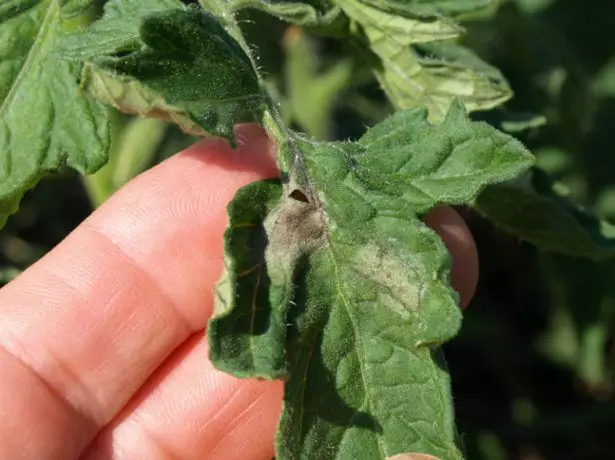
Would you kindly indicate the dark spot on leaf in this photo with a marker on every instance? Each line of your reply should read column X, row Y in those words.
column 299, row 196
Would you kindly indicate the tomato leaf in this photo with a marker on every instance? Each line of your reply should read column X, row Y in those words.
column 46, row 122
column 162, row 59
column 333, row 283
column 118, row 30
column 427, row 8
column 534, row 211
column 434, row 77
column 320, row 14
column 392, row 29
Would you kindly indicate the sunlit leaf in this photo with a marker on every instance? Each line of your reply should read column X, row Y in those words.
column 334, row 284
column 40, row 101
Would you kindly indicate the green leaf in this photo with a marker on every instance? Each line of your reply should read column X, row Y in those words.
column 383, row 25
column 457, row 158
column 321, row 14
column 481, row 86
column 426, row 8
column 417, row 67
column 434, row 78
column 77, row 8
column 517, row 122
column 534, row 211
column 334, row 284
column 117, row 30
column 392, row 28
column 172, row 62
column 46, row 122
column 252, row 336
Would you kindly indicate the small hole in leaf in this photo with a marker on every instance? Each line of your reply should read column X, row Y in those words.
column 299, row 196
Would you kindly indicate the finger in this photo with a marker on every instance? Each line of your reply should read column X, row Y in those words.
column 84, row 328
column 190, row 410
column 458, row 239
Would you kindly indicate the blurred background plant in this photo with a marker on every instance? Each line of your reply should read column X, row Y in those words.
column 534, row 366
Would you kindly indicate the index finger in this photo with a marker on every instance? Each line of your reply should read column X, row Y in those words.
column 82, row 329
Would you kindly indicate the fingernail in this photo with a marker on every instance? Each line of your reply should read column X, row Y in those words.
column 413, row 457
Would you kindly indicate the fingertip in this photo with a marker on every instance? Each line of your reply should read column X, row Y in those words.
column 254, row 152
column 249, row 132
column 459, row 240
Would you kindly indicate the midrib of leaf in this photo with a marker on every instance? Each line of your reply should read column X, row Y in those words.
column 392, row 51
column 225, row 14
column 52, row 10
column 358, row 340
column 298, row 159
column 369, row 397
column 391, row 57
column 304, row 382
column 277, row 129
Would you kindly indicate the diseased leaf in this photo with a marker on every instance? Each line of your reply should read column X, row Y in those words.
column 172, row 62
column 337, row 286
column 46, row 121
column 534, row 211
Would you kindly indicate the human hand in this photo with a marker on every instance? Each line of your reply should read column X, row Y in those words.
column 102, row 350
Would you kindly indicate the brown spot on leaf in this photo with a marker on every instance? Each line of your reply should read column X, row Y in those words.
column 299, row 196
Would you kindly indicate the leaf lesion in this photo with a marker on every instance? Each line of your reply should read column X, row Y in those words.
column 299, row 196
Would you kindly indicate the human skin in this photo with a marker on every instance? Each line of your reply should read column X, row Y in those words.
column 102, row 349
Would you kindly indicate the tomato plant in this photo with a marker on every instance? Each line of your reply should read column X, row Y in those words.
column 332, row 283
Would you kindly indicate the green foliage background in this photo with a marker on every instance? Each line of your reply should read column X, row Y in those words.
column 533, row 368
